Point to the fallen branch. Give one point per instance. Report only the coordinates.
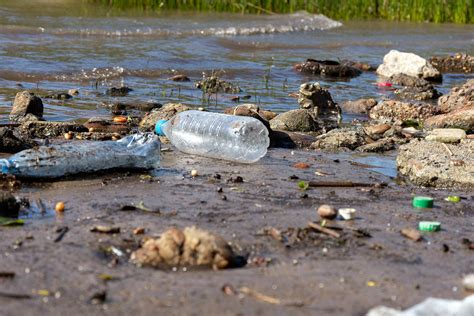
(447, 149)
(344, 184)
(268, 299)
(324, 230)
(14, 295)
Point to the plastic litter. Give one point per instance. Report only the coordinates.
(137, 151)
(453, 198)
(347, 213)
(422, 202)
(236, 138)
(430, 307)
(429, 226)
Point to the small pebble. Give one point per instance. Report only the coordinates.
(59, 207)
(68, 136)
(194, 173)
(139, 231)
(120, 119)
(327, 211)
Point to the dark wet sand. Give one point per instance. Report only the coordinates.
(328, 276)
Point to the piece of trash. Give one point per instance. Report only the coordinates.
(384, 84)
(453, 198)
(5, 221)
(116, 251)
(137, 151)
(120, 119)
(429, 307)
(106, 277)
(468, 282)
(59, 208)
(327, 212)
(412, 234)
(301, 165)
(194, 173)
(371, 283)
(268, 299)
(43, 292)
(347, 213)
(422, 202)
(105, 229)
(188, 247)
(303, 185)
(429, 226)
(229, 137)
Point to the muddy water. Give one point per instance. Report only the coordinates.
(52, 46)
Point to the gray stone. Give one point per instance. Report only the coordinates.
(165, 113)
(446, 135)
(299, 120)
(396, 112)
(436, 164)
(396, 62)
(42, 129)
(340, 139)
(26, 103)
(458, 97)
(361, 106)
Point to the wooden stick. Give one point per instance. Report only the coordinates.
(14, 295)
(343, 184)
(268, 299)
(447, 149)
(324, 230)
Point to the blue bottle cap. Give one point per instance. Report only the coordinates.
(158, 127)
(5, 164)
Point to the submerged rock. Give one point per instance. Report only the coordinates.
(457, 63)
(164, 113)
(214, 84)
(11, 142)
(414, 88)
(397, 112)
(59, 96)
(189, 247)
(118, 92)
(9, 206)
(361, 106)
(396, 62)
(458, 97)
(436, 164)
(122, 108)
(462, 118)
(328, 68)
(26, 103)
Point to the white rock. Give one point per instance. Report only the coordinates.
(468, 282)
(396, 62)
(446, 135)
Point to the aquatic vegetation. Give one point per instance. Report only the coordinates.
(457, 11)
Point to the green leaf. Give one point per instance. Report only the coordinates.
(5, 221)
(303, 185)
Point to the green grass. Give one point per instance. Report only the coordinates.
(439, 11)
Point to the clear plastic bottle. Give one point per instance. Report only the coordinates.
(137, 151)
(236, 138)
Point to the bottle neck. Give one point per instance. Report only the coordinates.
(160, 127)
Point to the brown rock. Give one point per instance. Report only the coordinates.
(361, 106)
(461, 118)
(397, 112)
(458, 97)
(26, 103)
(327, 211)
(250, 110)
(165, 113)
(189, 247)
(457, 63)
(412, 234)
(378, 129)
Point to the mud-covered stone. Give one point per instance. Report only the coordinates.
(398, 112)
(118, 92)
(340, 139)
(12, 142)
(436, 164)
(164, 113)
(214, 84)
(190, 247)
(462, 118)
(9, 206)
(299, 120)
(43, 129)
(396, 62)
(361, 106)
(458, 97)
(328, 68)
(463, 63)
(26, 103)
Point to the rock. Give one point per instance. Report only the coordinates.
(101, 125)
(286, 139)
(375, 130)
(179, 78)
(381, 145)
(118, 92)
(213, 84)
(165, 113)
(42, 129)
(361, 106)
(122, 108)
(340, 139)
(59, 96)
(9, 207)
(411, 93)
(73, 92)
(433, 164)
(326, 113)
(396, 62)
(299, 120)
(409, 81)
(461, 118)
(412, 234)
(397, 112)
(457, 63)
(251, 110)
(327, 211)
(328, 68)
(468, 282)
(26, 103)
(11, 142)
(446, 135)
(189, 247)
(458, 97)
(359, 65)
